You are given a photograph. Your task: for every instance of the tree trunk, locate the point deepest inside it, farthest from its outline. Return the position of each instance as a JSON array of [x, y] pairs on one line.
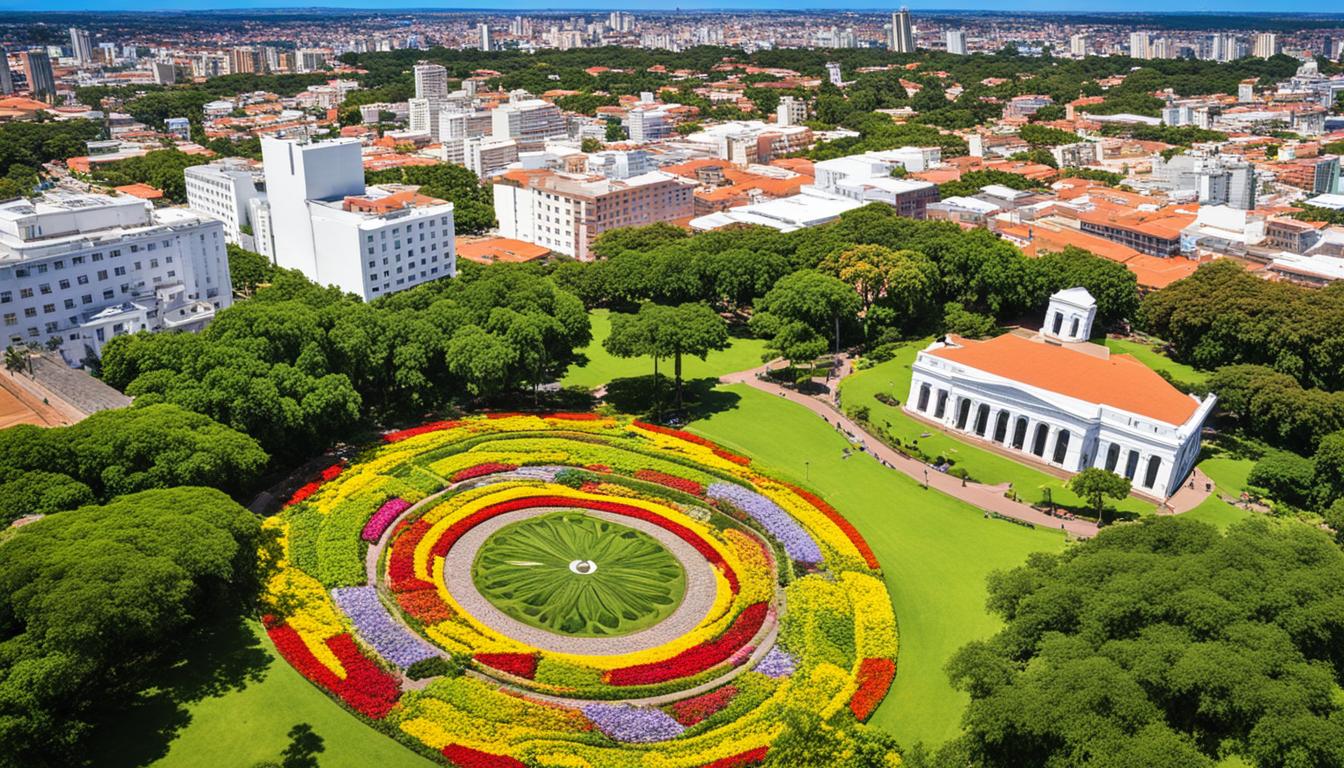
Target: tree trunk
[[677, 365]]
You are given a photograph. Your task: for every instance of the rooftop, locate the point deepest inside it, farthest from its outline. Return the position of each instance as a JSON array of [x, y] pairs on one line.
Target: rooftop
[[1116, 381]]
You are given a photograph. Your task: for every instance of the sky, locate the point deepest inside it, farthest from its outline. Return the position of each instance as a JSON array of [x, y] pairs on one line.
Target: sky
[[1166, 6]]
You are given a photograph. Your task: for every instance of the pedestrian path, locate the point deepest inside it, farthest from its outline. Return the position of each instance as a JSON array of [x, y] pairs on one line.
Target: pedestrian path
[[989, 498]]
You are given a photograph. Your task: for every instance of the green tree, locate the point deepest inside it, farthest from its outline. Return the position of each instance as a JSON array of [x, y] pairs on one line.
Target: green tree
[[93, 600], [1145, 646], [1096, 484], [668, 332], [1286, 476], [814, 299], [903, 282], [248, 269]]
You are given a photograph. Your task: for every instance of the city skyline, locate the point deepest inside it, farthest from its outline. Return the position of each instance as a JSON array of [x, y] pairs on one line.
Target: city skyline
[[1070, 7]]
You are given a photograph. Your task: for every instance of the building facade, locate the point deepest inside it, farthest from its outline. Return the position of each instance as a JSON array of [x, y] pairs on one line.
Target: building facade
[[87, 268], [1062, 402], [224, 190]]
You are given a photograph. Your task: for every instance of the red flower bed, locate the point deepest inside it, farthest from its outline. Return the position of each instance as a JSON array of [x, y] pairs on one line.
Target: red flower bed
[[401, 560], [698, 658], [750, 757], [466, 757], [366, 687], [671, 481], [425, 605], [406, 434], [504, 414], [308, 489], [722, 453], [690, 711], [480, 470], [603, 468], [332, 472], [518, 664], [835, 517], [456, 530], [874, 679], [573, 416]]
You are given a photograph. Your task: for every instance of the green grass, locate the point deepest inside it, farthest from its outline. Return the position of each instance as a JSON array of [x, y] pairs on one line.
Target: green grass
[[985, 466], [1229, 479], [1154, 359], [935, 550], [243, 721], [602, 368]]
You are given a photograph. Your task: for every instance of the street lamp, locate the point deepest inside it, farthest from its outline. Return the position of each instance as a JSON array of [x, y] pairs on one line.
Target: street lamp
[[926, 479], [807, 471]]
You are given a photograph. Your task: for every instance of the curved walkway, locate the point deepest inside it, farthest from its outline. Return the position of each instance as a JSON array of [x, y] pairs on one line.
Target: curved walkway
[[695, 605], [989, 498]]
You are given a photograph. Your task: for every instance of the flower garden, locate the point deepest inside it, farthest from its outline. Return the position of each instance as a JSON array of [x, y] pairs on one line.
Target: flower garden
[[575, 590]]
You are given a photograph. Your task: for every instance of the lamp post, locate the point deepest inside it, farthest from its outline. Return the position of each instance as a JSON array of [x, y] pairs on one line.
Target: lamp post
[[807, 471], [926, 479]]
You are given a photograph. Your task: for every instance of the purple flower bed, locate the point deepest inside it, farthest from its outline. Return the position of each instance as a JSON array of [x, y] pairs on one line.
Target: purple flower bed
[[376, 627], [777, 663], [391, 509], [798, 545], [633, 725]]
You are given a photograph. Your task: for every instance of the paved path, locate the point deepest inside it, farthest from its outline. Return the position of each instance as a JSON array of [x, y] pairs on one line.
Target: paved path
[[1196, 489], [989, 498]]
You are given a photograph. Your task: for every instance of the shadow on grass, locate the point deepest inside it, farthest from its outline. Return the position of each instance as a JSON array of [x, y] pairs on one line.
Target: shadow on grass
[[700, 397], [222, 654]]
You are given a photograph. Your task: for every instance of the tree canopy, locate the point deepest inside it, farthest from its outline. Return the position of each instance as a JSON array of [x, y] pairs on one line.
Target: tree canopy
[[1161, 643]]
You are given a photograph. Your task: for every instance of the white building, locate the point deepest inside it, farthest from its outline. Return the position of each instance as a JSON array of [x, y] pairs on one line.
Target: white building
[[791, 111], [224, 190], [648, 124], [902, 33], [420, 112], [486, 155], [329, 226], [85, 268], [1061, 401], [528, 121], [956, 41], [1078, 46], [867, 178]]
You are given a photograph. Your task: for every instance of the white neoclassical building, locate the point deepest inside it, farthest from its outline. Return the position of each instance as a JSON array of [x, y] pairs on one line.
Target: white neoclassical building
[[1057, 399]]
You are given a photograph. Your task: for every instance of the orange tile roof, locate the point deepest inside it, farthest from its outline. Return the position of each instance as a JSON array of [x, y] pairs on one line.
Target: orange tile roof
[[1118, 381], [500, 249], [142, 191]]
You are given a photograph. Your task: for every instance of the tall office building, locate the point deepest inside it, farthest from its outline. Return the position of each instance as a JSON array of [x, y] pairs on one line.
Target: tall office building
[[1161, 49], [528, 121], [431, 81], [902, 32], [1224, 47], [1078, 45], [81, 47], [6, 77], [956, 41], [224, 190], [483, 30], [1140, 45], [1266, 45], [165, 72], [369, 241], [37, 69], [243, 60], [420, 115]]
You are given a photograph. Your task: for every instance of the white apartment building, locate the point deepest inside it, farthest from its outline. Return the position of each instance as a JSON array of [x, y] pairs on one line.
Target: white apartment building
[[367, 241], [956, 41], [1059, 400], [648, 124], [420, 112], [530, 122], [86, 268], [621, 165], [486, 155], [791, 111], [431, 81], [566, 212], [224, 190]]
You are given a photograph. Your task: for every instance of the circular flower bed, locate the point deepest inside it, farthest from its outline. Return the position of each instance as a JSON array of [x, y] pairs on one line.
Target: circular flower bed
[[574, 590]]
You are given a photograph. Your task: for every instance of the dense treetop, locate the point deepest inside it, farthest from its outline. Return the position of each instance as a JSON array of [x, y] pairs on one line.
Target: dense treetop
[[1162, 643]]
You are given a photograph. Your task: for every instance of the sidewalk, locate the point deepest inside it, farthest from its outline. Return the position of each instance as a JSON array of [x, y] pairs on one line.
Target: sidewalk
[[989, 498]]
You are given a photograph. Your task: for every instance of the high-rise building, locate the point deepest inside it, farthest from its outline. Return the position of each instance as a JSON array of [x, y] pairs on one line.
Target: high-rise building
[[833, 73], [243, 60], [81, 46], [6, 77], [37, 69], [1140, 45], [86, 268], [311, 59], [1078, 46], [956, 41], [529, 121], [1161, 48], [1224, 47], [486, 156], [431, 81], [791, 111], [648, 123], [420, 115], [369, 241], [483, 33], [1266, 45], [902, 32], [165, 72]]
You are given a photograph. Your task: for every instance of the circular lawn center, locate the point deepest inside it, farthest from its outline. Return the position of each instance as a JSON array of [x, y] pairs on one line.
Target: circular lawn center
[[578, 574]]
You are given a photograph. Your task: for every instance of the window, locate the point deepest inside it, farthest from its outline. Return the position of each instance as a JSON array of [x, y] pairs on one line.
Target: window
[[1038, 444], [6, 297], [64, 285], [25, 293], [82, 279], [11, 318], [1150, 477], [1132, 464], [44, 289], [1112, 457], [1061, 447]]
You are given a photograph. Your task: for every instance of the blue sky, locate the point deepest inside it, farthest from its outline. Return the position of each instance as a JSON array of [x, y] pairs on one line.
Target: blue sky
[[1211, 6]]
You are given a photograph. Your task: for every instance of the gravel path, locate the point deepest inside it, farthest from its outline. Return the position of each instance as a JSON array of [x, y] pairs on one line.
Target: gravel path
[[695, 606]]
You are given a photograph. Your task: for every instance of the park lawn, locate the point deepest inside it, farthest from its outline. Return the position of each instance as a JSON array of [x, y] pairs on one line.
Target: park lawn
[[984, 466], [1154, 359], [1229, 476], [249, 723], [602, 367], [935, 551]]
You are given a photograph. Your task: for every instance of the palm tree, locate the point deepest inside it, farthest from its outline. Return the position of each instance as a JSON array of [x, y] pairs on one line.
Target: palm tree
[[16, 359]]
